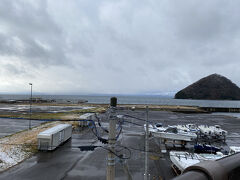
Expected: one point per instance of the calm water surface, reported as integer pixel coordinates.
(123, 99)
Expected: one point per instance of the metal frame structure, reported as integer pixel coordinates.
(227, 168)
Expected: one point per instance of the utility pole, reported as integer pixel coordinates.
(112, 140)
(146, 173)
(126, 170)
(30, 111)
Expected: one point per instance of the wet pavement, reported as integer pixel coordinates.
(11, 126)
(68, 162)
(38, 108)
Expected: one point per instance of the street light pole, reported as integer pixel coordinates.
(30, 111)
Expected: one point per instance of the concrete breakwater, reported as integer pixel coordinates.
(220, 109)
(183, 109)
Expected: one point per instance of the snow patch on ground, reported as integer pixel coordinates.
(16, 148)
(12, 157)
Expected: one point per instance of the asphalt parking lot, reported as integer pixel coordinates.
(68, 162)
(11, 126)
(37, 108)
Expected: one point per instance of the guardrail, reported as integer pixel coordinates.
(227, 168)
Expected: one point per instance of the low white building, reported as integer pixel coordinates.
(53, 137)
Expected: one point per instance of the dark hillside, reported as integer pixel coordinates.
(213, 87)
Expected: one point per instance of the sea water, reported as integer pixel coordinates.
(132, 99)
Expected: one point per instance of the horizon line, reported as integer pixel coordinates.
(95, 94)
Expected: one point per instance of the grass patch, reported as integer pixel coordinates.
(92, 110)
(30, 148)
(71, 115)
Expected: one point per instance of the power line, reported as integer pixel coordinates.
(137, 118)
(96, 134)
(82, 148)
(133, 123)
(91, 147)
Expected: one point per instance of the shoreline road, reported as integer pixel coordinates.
(69, 163)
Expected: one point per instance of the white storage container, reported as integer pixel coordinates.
(53, 137)
(86, 116)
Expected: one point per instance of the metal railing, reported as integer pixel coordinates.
(227, 168)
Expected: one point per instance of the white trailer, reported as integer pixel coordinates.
(53, 137)
(86, 116)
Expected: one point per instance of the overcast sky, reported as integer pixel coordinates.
(108, 46)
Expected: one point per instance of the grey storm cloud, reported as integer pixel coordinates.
(31, 34)
(209, 21)
(125, 46)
